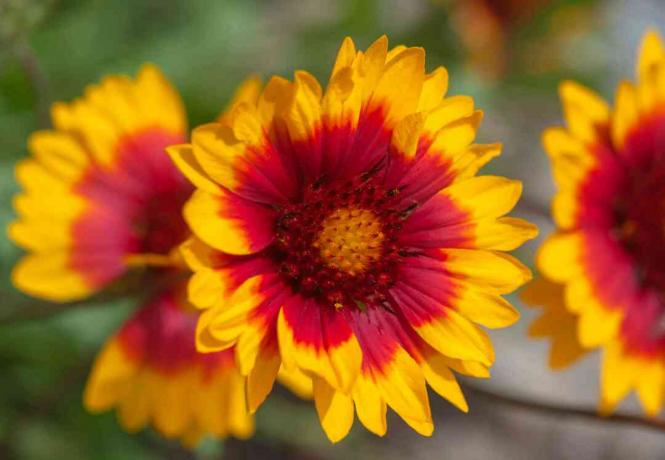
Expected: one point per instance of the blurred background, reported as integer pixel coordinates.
(509, 54)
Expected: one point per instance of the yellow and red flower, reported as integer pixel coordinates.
(101, 196)
(342, 233)
(151, 372)
(608, 250)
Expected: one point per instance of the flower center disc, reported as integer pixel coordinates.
(339, 244)
(350, 239)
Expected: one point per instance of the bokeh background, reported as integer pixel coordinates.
(509, 54)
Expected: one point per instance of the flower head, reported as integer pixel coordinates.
(608, 250)
(343, 235)
(151, 372)
(100, 196)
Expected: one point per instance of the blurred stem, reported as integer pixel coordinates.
(38, 80)
(42, 310)
(557, 410)
(138, 285)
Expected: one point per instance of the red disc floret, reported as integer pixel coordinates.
(339, 242)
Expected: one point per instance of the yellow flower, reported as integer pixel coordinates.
(99, 197)
(343, 235)
(608, 252)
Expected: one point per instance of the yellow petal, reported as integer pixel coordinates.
(407, 133)
(470, 368)
(402, 386)
(335, 410)
(261, 377)
(36, 179)
(399, 87)
(240, 421)
(485, 196)
(456, 337)
(220, 327)
(492, 270)
(345, 56)
(556, 323)
(370, 407)
(455, 138)
(625, 115)
(109, 378)
(40, 235)
(47, 275)
(206, 288)
(443, 381)
(160, 101)
(558, 256)
(339, 365)
(597, 323)
(135, 409)
(171, 415)
(503, 234)
(60, 153)
(223, 221)
(297, 382)
(474, 158)
(218, 152)
(585, 112)
(434, 88)
(619, 372)
(564, 210)
(487, 309)
(447, 111)
(247, 92)
(304, 117)
(651, 386)
(184, 159)
(652, 53)
(275, 99)
(423, 428)
(369, 66)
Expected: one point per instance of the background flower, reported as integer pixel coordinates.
(608, 165)
(100, 196)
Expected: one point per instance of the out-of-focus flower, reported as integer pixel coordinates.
(151, 372)
(609, 249)
(484, 28)
(100, 196)
(343, 234)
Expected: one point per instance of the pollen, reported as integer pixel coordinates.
(351, 239)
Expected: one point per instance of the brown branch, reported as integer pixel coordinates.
(557, 410)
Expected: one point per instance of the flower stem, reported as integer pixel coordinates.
(38, 80)
(557, 410)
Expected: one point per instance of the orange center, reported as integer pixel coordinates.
(350, 239)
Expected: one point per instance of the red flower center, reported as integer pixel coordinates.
(161, 226)
(339, 244)
(638, 225)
